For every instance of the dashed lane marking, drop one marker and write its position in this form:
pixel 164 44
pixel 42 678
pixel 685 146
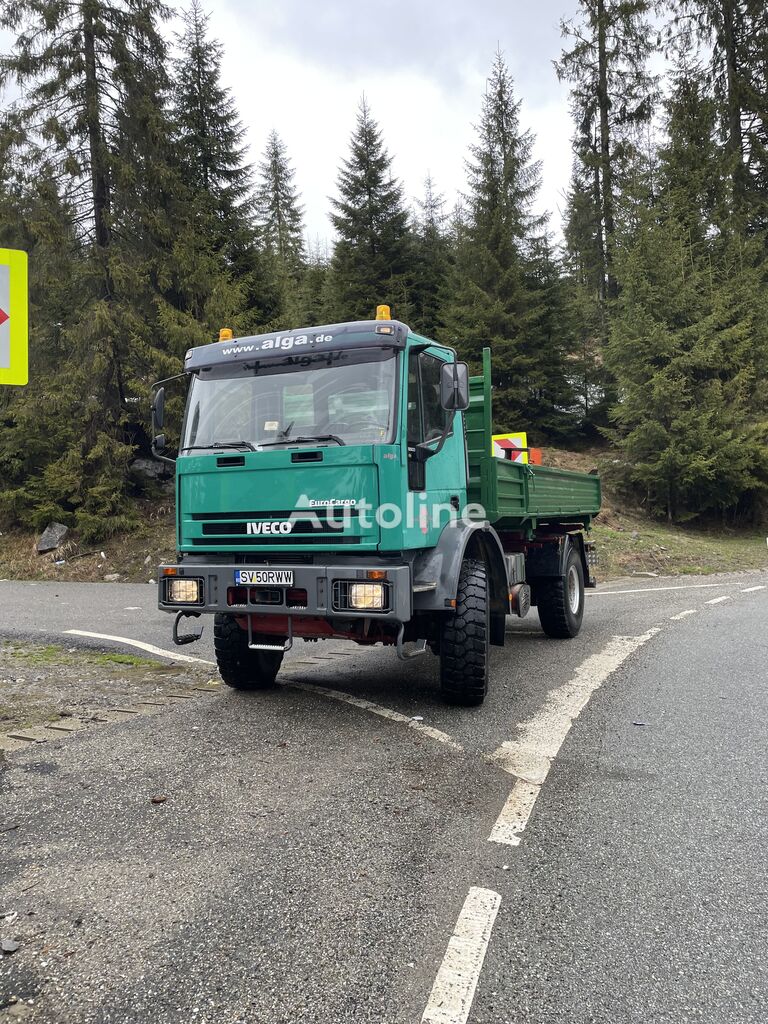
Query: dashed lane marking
pixel 751 590
pixel 530 756
pixel 454 989
pixel 376 709
pixel 718 600
pixel 683 615
pixel 651 590
pixel 149 648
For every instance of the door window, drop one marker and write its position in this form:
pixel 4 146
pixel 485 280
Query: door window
pixel 426 416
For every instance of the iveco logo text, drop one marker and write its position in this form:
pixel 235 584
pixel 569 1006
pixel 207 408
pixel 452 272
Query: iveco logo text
pixel 286 343
pixel 278 527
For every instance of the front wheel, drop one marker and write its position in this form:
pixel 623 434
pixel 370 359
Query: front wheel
pixel 464 640
pixel 239 666
pixel 560 602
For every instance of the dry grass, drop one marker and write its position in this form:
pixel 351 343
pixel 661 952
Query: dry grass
pixel 629 542
pixel 135 556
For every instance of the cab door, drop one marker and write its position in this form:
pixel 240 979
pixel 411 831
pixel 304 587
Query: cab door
pixel 437 486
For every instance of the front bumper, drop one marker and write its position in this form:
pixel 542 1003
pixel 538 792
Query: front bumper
pixel 317 580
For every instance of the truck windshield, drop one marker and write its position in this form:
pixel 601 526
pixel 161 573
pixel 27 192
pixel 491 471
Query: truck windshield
pixel 347 395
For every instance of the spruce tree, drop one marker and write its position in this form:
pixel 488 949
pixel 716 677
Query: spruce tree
pixel 432 256
pixel 373 259
pixel 279 214
pixel 734 34
pixel 220 273
pixel 307 301
pixel 211 136
pixel 695 172
pixel 40 423
pixel 494 294
pixel 611 91
pixel 689 338
pixel 584 323
pixel 93 112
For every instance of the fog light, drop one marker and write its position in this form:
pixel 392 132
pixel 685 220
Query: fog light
pixel 183 591
pixel 366 595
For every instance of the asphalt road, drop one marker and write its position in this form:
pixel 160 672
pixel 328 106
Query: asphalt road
pixel 313 855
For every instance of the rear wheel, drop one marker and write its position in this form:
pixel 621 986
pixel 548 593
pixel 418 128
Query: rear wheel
pixel 560 602
pixel 464 640
pixel 239 666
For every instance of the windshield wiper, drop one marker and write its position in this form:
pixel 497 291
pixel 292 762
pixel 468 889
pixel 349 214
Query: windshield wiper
pixel 308 438
pixel 220 444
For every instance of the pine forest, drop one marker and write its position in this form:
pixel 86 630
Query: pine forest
pixel 639 324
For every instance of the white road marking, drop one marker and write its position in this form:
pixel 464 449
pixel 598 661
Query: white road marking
pixel 515 814
pixel 530 756
pixel 717 600
pixel 683 615
pixel 751 590
pixel 149 648
pixel 377 709
pixel 650 590
pixel 454 989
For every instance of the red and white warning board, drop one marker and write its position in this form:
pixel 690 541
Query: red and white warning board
pixel 508 446
pixel 14 317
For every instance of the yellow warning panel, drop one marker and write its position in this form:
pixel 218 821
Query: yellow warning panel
pixel 507 446
pixel 14 317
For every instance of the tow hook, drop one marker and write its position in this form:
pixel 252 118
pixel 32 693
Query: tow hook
pixel 185 638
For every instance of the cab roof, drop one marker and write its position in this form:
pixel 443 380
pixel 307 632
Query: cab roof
pixel 330 337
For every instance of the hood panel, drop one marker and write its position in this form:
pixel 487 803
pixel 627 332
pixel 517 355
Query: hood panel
pixel 271 503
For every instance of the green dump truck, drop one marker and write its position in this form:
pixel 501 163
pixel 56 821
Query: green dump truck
pixel 339 482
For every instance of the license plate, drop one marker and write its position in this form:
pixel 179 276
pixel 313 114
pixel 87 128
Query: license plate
pixel 264 577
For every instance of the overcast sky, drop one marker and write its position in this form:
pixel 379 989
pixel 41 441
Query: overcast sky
pixel 300 66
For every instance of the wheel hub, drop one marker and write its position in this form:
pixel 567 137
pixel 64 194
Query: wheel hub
pixel 573 589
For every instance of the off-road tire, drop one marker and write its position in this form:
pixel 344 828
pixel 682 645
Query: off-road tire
pixel 555 600
pixel 464 640
pixel 239 666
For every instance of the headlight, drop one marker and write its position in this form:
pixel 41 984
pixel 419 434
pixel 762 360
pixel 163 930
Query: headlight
pixel 367 595
pixel 183 591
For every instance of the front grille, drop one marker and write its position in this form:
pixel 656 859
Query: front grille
pixel 300 526
pixel 302 538
pixel 321 513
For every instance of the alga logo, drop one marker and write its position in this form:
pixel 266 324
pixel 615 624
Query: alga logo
pixel 281 343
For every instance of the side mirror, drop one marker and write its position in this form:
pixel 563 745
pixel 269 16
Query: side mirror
pixel 454 387
pixel 158 410
pixel 158 443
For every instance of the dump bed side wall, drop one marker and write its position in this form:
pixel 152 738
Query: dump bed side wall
pixel 513 493
pixel 559 491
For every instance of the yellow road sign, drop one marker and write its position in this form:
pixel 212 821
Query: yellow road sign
pixel 505 446
pixel 14 317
